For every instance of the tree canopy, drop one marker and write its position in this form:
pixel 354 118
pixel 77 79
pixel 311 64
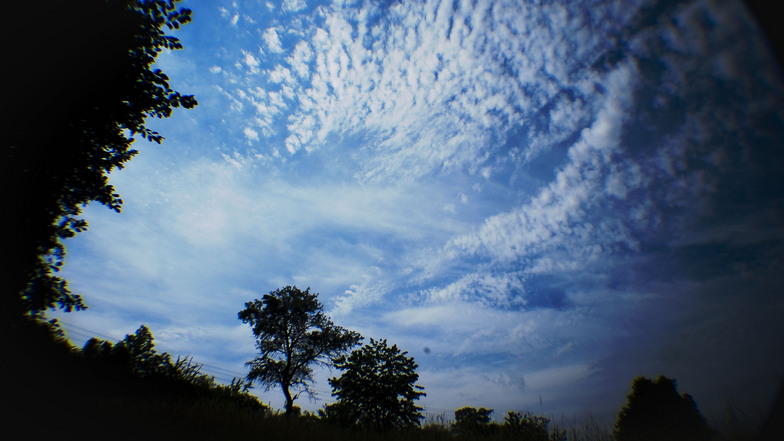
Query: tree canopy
pixel 292 334
pixel 137 354
pixel 470 420
pixel 656 411
pixel 81 85
pixel 531 427
pixel 377 389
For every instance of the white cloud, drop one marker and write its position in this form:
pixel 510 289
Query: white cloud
pixel 488 289
pixel 251 134
pixel 281 75
pixel 359 295
pixel 225 13
pixel 300 58
pixel 272 40
pixel 294 5
pixel 251 62
pixel 383 79
pixel 555 218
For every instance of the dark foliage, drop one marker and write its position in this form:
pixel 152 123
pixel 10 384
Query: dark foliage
pixel 470 420
pixel 99 392
pixel 528 427
pixel 656 411
pixel 377 389
pixel 136 354
pixel 135 359
pixel 80 86
pixel 292 333
pixel 125 390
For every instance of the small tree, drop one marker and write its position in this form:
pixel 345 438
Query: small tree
pixel 292 333
pixel 136 353
pixel 528 427
pixel 469 420
pixel 377 388
pixel 656 411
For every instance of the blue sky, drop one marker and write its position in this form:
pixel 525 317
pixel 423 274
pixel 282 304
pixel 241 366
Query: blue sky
pixel 552 199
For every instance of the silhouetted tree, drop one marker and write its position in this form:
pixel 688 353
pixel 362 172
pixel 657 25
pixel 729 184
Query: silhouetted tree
pixel 80 85
pixel 136 353
pixel 656 411
pixel 133 365
pixel 292 333
pixel 137 350
pixel 469 420
pixel 528 427
pixel 377 389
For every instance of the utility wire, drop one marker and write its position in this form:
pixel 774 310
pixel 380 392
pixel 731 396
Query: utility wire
pixel 220 374
pixel 78 333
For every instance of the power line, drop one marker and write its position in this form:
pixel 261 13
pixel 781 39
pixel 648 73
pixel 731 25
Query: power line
pixel 85 333
pixel 222 375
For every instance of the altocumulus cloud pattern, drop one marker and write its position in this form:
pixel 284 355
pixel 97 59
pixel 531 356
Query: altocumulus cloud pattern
pixel 551 198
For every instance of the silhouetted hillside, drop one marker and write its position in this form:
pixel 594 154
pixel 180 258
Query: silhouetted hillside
pixel 56 390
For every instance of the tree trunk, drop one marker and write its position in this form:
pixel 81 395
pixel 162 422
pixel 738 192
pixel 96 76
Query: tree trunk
pixel 289 400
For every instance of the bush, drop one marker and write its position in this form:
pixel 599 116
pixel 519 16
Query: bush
pixel 469 420
pixel 655 411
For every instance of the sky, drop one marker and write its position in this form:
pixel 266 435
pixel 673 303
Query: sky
pixel 538 201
